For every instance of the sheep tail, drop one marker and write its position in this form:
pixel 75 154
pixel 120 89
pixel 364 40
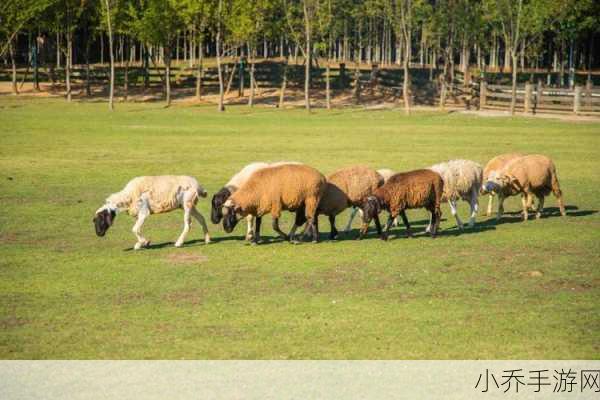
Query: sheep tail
pixel 556 190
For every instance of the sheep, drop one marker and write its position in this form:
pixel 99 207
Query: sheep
pixel 234 184
pixel 421 188
pixel 385 174
pixel 531 175
pixel 347 187
pixel 462 180
pixel 491 169
pixel 147 195
pixel 294 187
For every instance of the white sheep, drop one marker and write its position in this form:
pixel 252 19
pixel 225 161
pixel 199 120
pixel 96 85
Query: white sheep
pixel 462 180
pixel 233 185
pixel 147 195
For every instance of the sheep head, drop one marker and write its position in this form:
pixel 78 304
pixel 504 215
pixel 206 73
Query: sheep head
pixel 103 219
pixel 371 207
pixel 498 183
pixel 218 201
pixel 230 219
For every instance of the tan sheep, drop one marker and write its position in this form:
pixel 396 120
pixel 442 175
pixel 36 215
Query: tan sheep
pixel 531 175
pixel 414 189
pixel 385 174
pixel 147 195
pixel 491 169
pixel 347 187
pixel 234 184
pixel 293 187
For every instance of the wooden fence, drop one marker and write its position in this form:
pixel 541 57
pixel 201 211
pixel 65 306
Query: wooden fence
pixel 385 81
pixel 532 98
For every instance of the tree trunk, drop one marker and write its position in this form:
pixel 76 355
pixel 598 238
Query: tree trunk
pixel 252 83
pixel 68 64
pixel 199 73
pixel 513 96
pixel 13 62
pixel 220 106
pixel 283 84
pixel 167 51
pixel 406 85
pixel 88 89
pixel 34 60
pixel 308 53
pixel 58 45
pixel 327 86
pixel 111 57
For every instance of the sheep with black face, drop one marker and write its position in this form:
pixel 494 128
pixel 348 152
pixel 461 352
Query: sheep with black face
pixel 232 186
pixel 293 187
pixel 414 189
pixel 147 195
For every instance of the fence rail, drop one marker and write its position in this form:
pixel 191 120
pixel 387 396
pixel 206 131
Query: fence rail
pixel 388 81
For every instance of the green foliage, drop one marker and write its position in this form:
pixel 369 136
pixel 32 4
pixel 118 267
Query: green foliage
pixel 157 21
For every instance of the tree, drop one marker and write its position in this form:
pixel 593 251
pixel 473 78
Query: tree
pixel 109 27
pixel 14 15
pixel 157 22
pixel 197 15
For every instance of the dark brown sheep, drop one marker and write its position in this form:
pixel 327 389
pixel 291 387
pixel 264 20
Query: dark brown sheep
pixel 421 188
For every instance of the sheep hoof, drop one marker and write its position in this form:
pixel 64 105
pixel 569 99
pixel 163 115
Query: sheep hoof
pixel 384 238
pixel 178 244
pixel 294 241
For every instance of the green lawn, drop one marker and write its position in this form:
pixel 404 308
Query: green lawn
pixel 66 293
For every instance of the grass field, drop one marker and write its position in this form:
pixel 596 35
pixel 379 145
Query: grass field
pixel 508 290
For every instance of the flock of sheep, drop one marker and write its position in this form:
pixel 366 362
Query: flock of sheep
pixel 261 188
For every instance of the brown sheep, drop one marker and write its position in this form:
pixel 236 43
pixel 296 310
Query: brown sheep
pixel 293 187
pixel 532 175
pixel 347 187
pixel 421 188
pixel 491 169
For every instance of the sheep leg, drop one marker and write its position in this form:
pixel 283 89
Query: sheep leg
pixel 187 220
pixel 489 208
pixel 334 232
pixel 299 221
pixel 256 235
pixel 388 226
pixel 474 203
pixel 279 231
pixel 352 215
pixel 525 202
pixel 249 222
pixel 196 214
pixel 459 223
pixel 143 213
pixel 540 207
pixel 435 222
pixel 314 226
pixel 500 207
pixel 407 225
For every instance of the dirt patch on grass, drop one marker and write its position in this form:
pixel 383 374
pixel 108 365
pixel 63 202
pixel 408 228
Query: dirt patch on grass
pixel 12 322
pixel 185 258
pixel 185 296
pixel 560 285
pixel 129 298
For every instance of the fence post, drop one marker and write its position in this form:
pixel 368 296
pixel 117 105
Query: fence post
pixel 538 95
pixel 527 100
pixel 588 93
pixel 482 94
pixel 577 100
pixel 342 79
